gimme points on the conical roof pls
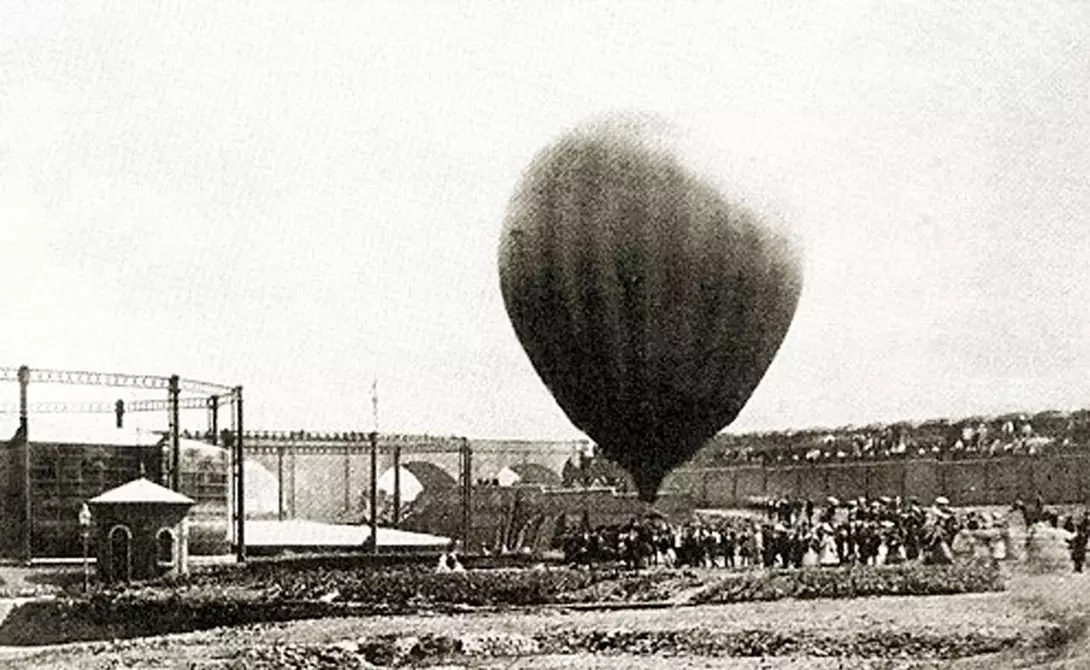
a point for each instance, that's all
(142, 491)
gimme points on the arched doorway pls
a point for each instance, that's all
(120, 548)
(164, 549)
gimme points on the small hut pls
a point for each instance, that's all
(140, 531)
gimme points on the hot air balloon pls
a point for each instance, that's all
(649, 301)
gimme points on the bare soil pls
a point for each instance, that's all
(1039, 622)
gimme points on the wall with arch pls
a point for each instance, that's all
(330, 480)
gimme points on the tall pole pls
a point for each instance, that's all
(175, 438)
(374, 492)
(467, 492)
(347, 475)
(374, 465)
(374, 404)
(294, 471)
(24, 433)
(280, 481)
(214, 418)
(240, 493)
(397, 485)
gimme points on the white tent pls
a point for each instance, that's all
(314, 534)
(262, 489)
(508, 477)
(410, 485)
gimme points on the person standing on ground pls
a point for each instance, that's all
(1077, 543)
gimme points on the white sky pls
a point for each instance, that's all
(299, 196)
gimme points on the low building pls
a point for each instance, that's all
(140, 531)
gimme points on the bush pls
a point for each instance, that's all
(973, 576)
(632, 587)
(280, 591)
(208, 538)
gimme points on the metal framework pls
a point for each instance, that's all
(210, 396)
(285, 446)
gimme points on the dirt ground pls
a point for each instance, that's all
(1040, 620)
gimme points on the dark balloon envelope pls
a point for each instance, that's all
(649, 303)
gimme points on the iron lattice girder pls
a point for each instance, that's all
(111, 407)
(206, 388)
(119, 379)
(83, 378)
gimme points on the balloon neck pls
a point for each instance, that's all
(647, 485)
(648, 494)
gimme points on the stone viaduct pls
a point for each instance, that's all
(327, 476)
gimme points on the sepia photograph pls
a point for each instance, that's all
(541, 335)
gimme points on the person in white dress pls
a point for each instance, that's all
(827, 555)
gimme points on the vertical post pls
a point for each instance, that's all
(214, 417)
(280, 481)
(228, 439)
(397, 485)
(24, 433)
(467, 492)
(347, 476)
(374, 492)
(84, 518)
(240, 493)
(86, 563)
(175, 437)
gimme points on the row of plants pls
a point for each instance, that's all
(636, 587)
(428, 649)
(976, 575)
(61, 620)
(277, 592)
(392, 589)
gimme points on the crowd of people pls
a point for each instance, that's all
(969, 440)
(788, 534)
(857, 450)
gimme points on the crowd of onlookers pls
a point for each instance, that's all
(785, 534)
(945, 442)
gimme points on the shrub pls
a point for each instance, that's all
(973, 576)
(279, 591)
